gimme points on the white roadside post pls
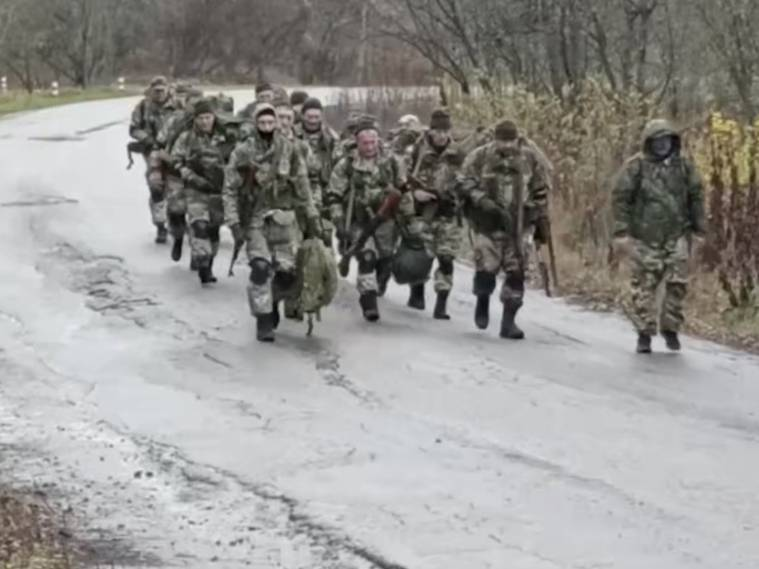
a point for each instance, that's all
(4, 84)
(54, 88)
(121, 82)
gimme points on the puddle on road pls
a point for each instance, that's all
(40, 201)
(99, 127)
(59, 138)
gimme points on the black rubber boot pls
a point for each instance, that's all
(644, 344)
(441, 306)
(482, 312)
(416, 297)
(161, 233)
(384, 272)
(265, 327)
(210, 271)
(672, 340)
(275, 318)
(204, 271)
(509, 329)
(176, 249)
(368, 302)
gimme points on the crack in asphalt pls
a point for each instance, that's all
(320, 534)
(40, 201)
(98, 128)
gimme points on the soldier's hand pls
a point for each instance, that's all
(624, 247)
(487, 205)
(237, 234)
(423, 196)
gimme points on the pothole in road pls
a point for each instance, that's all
(40, 201)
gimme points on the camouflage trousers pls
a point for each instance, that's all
(375, 259)
(272, 239)
(157, 186)
(442, 238)
(205, 214)
(176, 206)
(495, 252)
(654, 267)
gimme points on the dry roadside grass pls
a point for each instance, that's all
(32, 534)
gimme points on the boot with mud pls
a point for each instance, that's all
(275, 317)
(210, 271)
(672, 340)
(176, 249)
(205, 272)
(384, 272)
(482, 312)
(368, 302)
(441, 306)
(161, 233)
(265, 327)
(416, 297)
(509, 328)
(644, 344)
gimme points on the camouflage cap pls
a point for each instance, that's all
(202, 107)
(440, 120)
(310, 104)
(366, 122)
(298, 98)
(158, 81)
(264, 109)
(261, 87)
(506, 131)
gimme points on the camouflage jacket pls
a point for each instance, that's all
(263, 176)
(198, 155)
(324, 145)
(501, 171)
(148, 119)
(658, 201)
(435, 171)
(365, 181)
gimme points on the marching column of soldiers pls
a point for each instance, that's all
(291, 190)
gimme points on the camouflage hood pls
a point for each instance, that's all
(656, 128)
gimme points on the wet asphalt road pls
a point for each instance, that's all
(145, 403)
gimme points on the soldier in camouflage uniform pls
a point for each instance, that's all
(200, 155)
(264, 95)
(658, 208)
(498, 182)
(430, 210)
(176, 204)
(323, 142)
(360, 182)
(297, 100)
(266, 202)
(147, 120)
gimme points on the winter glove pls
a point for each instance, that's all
(200, 184)
(542, 231)
(423, 196)
(494, 211)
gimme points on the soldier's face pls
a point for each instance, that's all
(160, 94)
(265, 97)
(266, 123)
(297, 109)
(367, 142)
(439, 137)
(312, 119)
(204, 122)
(286, 117)
(661, 146)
